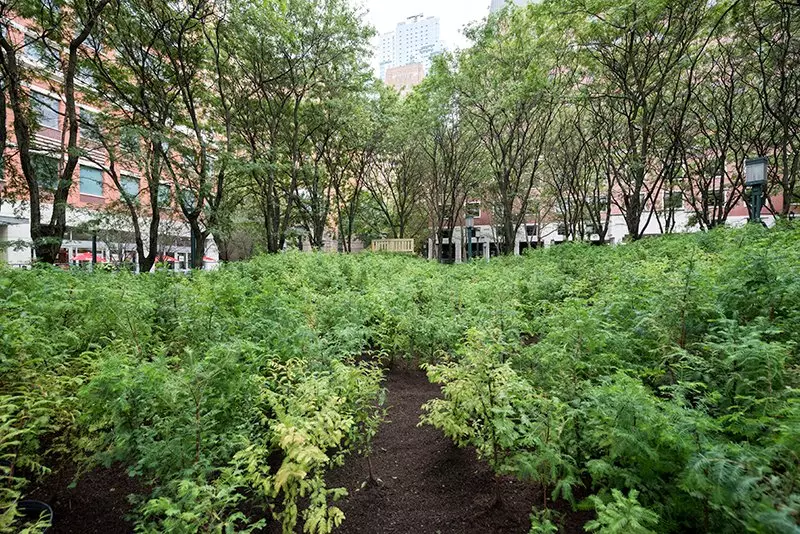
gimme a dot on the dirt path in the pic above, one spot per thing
(430, 486)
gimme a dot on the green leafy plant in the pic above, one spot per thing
(622, 514)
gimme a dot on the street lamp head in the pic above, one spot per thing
(470, 221)
(756, 172)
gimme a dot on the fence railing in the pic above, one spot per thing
(393, 245)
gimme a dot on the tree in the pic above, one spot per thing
(190, 32)
(219, 205)
(724, 124)
(284, 55)
(635, 53)
(507, 91)
(350, 155)
(314, 190)
(599, 134)
(61, 29)
(163, 115)
(451, 149)
(396, 180)
(141, 97)
(568, 172)
(336, 137)
(776, 52)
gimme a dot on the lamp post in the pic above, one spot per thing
(192, 249)
(94, 248)
(189, 200)
(470, 227)
(94, 225)
(756, 180)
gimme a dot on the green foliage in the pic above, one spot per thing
(230, 389)
(622, 515)
(665, 368)
(541, 523)
(634, 373)
(198, 506)
(482, 398)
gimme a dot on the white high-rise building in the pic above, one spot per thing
(386, 51)
(497, 5)
(415, 40)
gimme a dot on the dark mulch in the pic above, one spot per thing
(97, 505)
(429, 485)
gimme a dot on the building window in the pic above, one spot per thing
(561, 229)
(531, 230)
(130, 185)
(51, 6)
(91, 181)
(85, 76)
(41, 54)
(164, 195)
(33, 50)
(473, 208)
(46, 110)
(88, 126)
(713, 167)
(188, 199)
(46, 170)
(673, 200)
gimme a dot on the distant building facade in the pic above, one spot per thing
(406, 77)
(415, 40)
(497, 5)
(386, 52)
(547, 229)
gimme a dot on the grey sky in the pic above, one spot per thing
(453, 14)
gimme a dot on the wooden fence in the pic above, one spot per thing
(393, 245)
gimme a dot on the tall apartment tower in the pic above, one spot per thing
(497, 5)
(386, 51)
(415, 40)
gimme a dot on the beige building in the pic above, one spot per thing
(406, 77)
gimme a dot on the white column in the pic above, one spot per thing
(430, 249)
(486, 250)
(457, 243)
(516, 247)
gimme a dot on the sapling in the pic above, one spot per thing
(480, 404)
(623, 515)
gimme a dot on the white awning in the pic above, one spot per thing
(8, 221)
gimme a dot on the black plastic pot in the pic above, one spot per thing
(34, 510)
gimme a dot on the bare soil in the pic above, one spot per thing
(98, 503)
(428, 484)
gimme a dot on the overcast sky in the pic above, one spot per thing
(453, 15)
